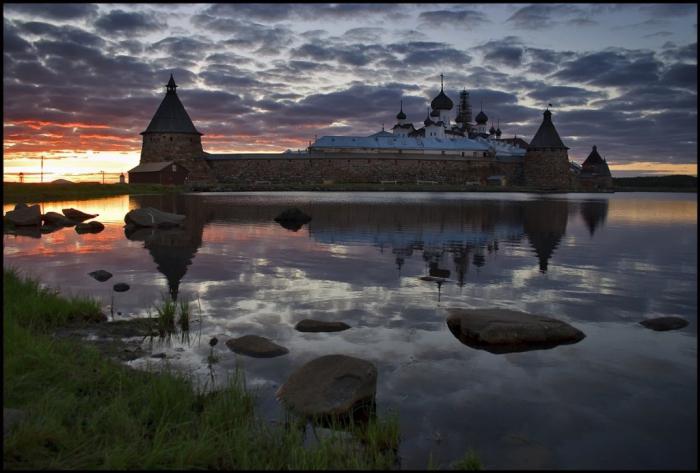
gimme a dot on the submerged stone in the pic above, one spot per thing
(101, 275)
(150, 217)
(310, 325)
(90, 227)
(507, 331)
(255, 346)
(332, 385)
(121, 287)
(662, 324)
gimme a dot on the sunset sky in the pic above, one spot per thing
(81, 81)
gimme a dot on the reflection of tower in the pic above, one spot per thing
(594, 213)
(461, 260)
(172, 249)
(545, 224)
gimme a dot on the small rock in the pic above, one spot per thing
(10, 418)
(101, 275)
(121, 287)
(506, 331)
(77, 215)
(24, 216)
(90, 227)
(662, 324)
(310, 325)
(331, 385)
(213, 341)
(255, 346)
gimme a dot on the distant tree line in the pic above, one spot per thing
(676, 182)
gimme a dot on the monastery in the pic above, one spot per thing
(443, 150)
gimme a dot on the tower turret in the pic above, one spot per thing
(546, 162)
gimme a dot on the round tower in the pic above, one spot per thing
(171, 136)
(546, 162)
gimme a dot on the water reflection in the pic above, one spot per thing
(594, 213)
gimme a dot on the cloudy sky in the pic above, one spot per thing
(81, 81)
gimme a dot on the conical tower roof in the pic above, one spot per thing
(171, 116)
(547, 136)
(593, 158)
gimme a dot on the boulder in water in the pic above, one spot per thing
(77, 215)
(332, 385)
(662, 324)
(506, 331)
(150, 217)
(57, 220)
(255, 346)
(24, 216)
(310, 325)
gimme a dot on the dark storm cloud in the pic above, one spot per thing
(13, 43)
(681, 75)
(611, 68)
(689, 52)
(53, 11)
(650, 98)
(429, 54)
(124, 23)
(541, 16)
(565, 95)
(507, 55)
(465, 19)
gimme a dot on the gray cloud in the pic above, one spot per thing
(53, 11)
(124, 23)
(542, 15)
(464, 19)
(564, 95)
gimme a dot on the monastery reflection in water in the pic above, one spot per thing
(449, 236)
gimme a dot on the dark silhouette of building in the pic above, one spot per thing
(166, 172)
(544, 223)
(595, 173)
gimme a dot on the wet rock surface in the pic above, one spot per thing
(24, 216)
(90, 227)
(662, 324)
(507, 331)
(77, 215)
(121, 287)
(150, 217)
(101, 275)
(332, 385)
(256, 346)
(310, 325)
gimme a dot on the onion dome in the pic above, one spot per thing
(481, 118)
(498, 132)
(492, 130)
(427, 121)
(401, 115)
(442, 101)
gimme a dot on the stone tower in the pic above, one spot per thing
(171, 136)
(546, 162)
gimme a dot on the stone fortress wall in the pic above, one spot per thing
(351, 168)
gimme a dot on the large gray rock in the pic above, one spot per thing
(662, 324)
(507, 331)
(57, 220)
(332, 385)
(10, 418)
(77, 215)
(150, 217)
(255, 346)
(24, 216)
(89, 227)
(310, 325)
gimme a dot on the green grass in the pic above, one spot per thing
(87, 412)
(14, 192)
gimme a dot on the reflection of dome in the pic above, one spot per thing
(594, 213)
(545, 225)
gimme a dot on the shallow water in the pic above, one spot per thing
(623, 397)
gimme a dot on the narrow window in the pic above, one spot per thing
(174, 168)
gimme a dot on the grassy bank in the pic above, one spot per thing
(84, 411)
(14, 192)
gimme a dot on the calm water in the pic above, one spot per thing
(624, 397)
